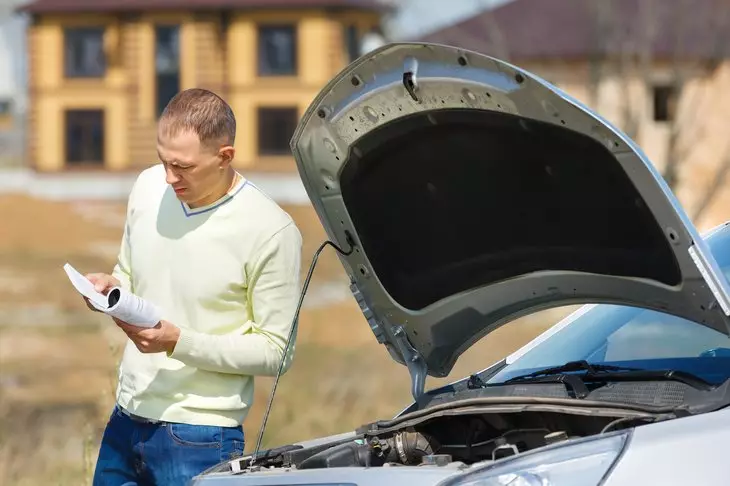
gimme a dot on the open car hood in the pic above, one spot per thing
(474, 193)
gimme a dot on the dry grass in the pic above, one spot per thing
(58, 361)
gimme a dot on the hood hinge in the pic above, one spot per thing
(398, 337)
(414, 361)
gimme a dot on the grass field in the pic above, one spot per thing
(58, 360)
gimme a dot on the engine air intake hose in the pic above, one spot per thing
(406, 447)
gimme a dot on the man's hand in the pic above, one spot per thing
(162, 337)
(103, 283)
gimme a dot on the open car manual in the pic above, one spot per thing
(118, 302)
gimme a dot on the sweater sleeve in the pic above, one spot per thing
(273, 292)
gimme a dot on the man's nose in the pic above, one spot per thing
(171, 177)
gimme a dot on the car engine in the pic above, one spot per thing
(453, 437)
(465, 425)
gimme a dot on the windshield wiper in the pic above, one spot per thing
(602, 373)
(582, 365)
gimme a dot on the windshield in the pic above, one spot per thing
(630, 336)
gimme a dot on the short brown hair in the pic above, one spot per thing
(202, 112)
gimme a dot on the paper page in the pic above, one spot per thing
(85, 287)
(118, 302)
(133, 309)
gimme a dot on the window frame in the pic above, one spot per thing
(68, 113)
(79, 32)
(8, 105)
(352, 41)
(159, 106)
(263, 132)
(263, 69)
(664, 99)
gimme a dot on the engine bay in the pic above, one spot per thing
(466, 439)
(461, 425)
(455, 437)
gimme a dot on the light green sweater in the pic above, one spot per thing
(228, 276)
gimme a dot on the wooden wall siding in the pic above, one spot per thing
(336, 49)
(141, 130)
(130, 61)
(210, 54)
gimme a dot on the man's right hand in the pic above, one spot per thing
(103, 283)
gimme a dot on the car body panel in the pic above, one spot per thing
(676, 452)
(340, 476)
(450, 173)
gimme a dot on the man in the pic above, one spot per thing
(222, 262)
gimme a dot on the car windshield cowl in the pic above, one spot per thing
(578, 374)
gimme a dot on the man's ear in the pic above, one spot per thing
(226, 154)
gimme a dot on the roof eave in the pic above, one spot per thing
(35, 9)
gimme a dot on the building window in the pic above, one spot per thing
(277, 50)
(6, 106)
(84, 52)
(167, 64)
(664, 103)
(276, 127)
(85, 137)
(352, 42)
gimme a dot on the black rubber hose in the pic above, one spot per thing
(410, 446)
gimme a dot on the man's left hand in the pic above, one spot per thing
(161, 338)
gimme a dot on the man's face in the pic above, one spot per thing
(197, 173)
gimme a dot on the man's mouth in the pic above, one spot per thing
(179, 190)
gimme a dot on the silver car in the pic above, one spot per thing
(465, 193)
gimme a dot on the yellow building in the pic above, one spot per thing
(100, 72)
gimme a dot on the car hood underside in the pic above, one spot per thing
(472, 192)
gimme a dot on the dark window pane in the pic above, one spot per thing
(276, 127)
(167, 64)
(352, 42)
(277, 50)
(84, 52)
(664, 103)
(85, 137)
(6, 106)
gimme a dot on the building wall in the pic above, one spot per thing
(51, 94)
(321, 56)
(216, 52)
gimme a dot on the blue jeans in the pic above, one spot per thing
(135, 452)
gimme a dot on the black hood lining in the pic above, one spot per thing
(450, 200)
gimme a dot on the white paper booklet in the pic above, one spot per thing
(117, 303)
